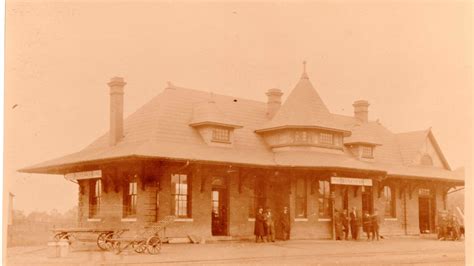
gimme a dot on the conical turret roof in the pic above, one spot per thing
(303, 108)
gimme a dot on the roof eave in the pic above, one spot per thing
(263, 130)
(362, 143)
(60, 169)
(212, 123)
(456, 181)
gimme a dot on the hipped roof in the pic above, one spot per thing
(161, 129)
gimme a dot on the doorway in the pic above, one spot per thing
(426, 211)
(220, 214)
(345, 199)
(424, 215)
(367, 200)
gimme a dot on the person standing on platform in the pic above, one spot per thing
(259, 229)
(285, 223)
(338, 224)
(375, 224)
(270, 225)
(345, 224)
(354, 223)
(367, 224)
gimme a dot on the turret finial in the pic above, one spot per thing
(304, 75)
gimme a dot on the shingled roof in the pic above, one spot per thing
(161, 129)
(303, 108)
(207, 113)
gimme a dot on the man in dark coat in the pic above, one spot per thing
(338, 224)
(367, 224)
(259, 229)
(354, 222)
(270, 225)
(285, 223)
(375, 224)
(345, 224)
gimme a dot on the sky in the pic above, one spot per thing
(411, 60)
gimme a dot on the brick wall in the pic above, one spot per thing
(154, 200)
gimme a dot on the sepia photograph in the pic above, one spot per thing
(237, 132)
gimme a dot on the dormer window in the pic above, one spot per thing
(220, 134)
(215, 128)
(367, 152)
(326, 138)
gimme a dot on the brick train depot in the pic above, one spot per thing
(211, 160)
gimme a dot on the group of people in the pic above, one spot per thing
(265, 225)
(345, 222)
(449, 226)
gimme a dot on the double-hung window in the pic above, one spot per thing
(95, 194)
(324, 199)
(390, 202)
(130, 199)
(300, 201)
(180, 193)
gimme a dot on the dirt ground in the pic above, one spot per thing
(403, 250)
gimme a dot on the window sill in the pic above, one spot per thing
(301, 219)
(184, 220)
(251, 219)
(94, 219)
(129, 219)
(324, 219)
(221, 141)
(390, 219)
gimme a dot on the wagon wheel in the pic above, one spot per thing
(64, 236)
(154, 245)
(58, 236)
(140, 246)
(102, 242)
(116, 247)
(108, 241)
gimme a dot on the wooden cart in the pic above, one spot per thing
(147, 239)
(74, 234)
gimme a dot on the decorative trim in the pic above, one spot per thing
(324, 219)
(251, 219)
(94, 219)
(129, 219)
(301, 219)
(390, 219)
(190, 220)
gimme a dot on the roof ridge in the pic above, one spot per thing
(414, 131)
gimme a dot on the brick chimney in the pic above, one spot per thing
(116, 85)
(361, 110)
(274, 102)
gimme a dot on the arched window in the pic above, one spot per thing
(390, 202)
(426, 160)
